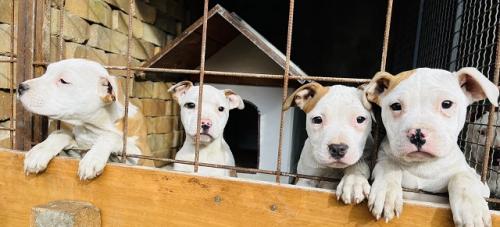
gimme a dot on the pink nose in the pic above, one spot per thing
(417, 131)
(206, 124)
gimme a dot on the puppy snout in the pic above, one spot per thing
(22, 88)
(206, 124)
(417, 137)
(337, 150)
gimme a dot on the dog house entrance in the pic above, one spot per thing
(242, 135)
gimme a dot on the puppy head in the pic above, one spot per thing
(338, 123)
(476, 135)
(423, 110)
(215, 109)
(70, 90)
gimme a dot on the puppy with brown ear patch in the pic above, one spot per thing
(214, 115)
(423, 111)
(338, 126)
(82, 94)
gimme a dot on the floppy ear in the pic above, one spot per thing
(235, 100)
(180, 89)
(306, 96)
(377, 86)
(362, 88)
(110, 91)
(476, 86)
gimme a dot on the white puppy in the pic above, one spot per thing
(474, 149)
(338, 124)
(215, 113)
(82, 94)
(423, 111)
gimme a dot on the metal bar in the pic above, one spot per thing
(386, 35)
(129, 77)
(492, 115)
(285, 88)
(200, 91)
(332, 78)
(60, 30)
(26, 12)
(12, 133)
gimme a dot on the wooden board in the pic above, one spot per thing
(139, 196)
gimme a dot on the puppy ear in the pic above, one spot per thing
(377, 86)
(362, 88)
(476, 86)
(235, 100)
(110, 94)
(306, 97)
(180, 89)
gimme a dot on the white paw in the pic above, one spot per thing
(91, 165)
(37, 159)
(353, 189)
(470, 210)
(385, 200)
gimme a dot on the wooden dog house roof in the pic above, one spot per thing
(223, 27)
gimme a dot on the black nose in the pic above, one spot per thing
(417, 139)
(22, 88)
(337, 150)
(205, 127)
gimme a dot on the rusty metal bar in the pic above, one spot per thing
(12, 133)
(26, 23)
(11, 57)
(129, 77)
(492, 117)
(385, 47)
(285, 88)
(60, 30)
(200, 91)
(332, 78)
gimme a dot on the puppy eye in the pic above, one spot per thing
(360, 119)
(221, 108)
(446, 104)
(189, 105)
(317, 120)
(396, 106)
(63, 81)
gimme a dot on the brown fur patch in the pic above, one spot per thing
(384, 82)
(315, 92)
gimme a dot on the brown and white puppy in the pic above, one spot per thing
(423, 111)
(338, 126)
(82, 94)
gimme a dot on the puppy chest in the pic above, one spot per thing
(435, 183)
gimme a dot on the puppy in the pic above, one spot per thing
(83, 95)
(215, 113)
(338, 126)
(423, 111)
(474, 149)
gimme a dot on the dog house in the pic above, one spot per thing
(222, 49)
(234, 46)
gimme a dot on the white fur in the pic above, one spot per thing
(439, 165)
(79, 104)
(339, 108)
(213, 147)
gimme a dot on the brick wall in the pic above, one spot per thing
(97, 30)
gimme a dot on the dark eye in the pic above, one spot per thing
(221, 108)
(189, 105)
(446, 104)
(396, 106)
(317, 120)
(482, 132)
(360, 119)
(63, 81)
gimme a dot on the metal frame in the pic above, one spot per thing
(28, 59)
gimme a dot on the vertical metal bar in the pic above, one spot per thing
(385, 47)
(202, 76)
(41, 9)
(60, 30)
(12, 78)
(417, 36)
(285, 87)
(128, 78)
(26, 12)
(492, 115)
